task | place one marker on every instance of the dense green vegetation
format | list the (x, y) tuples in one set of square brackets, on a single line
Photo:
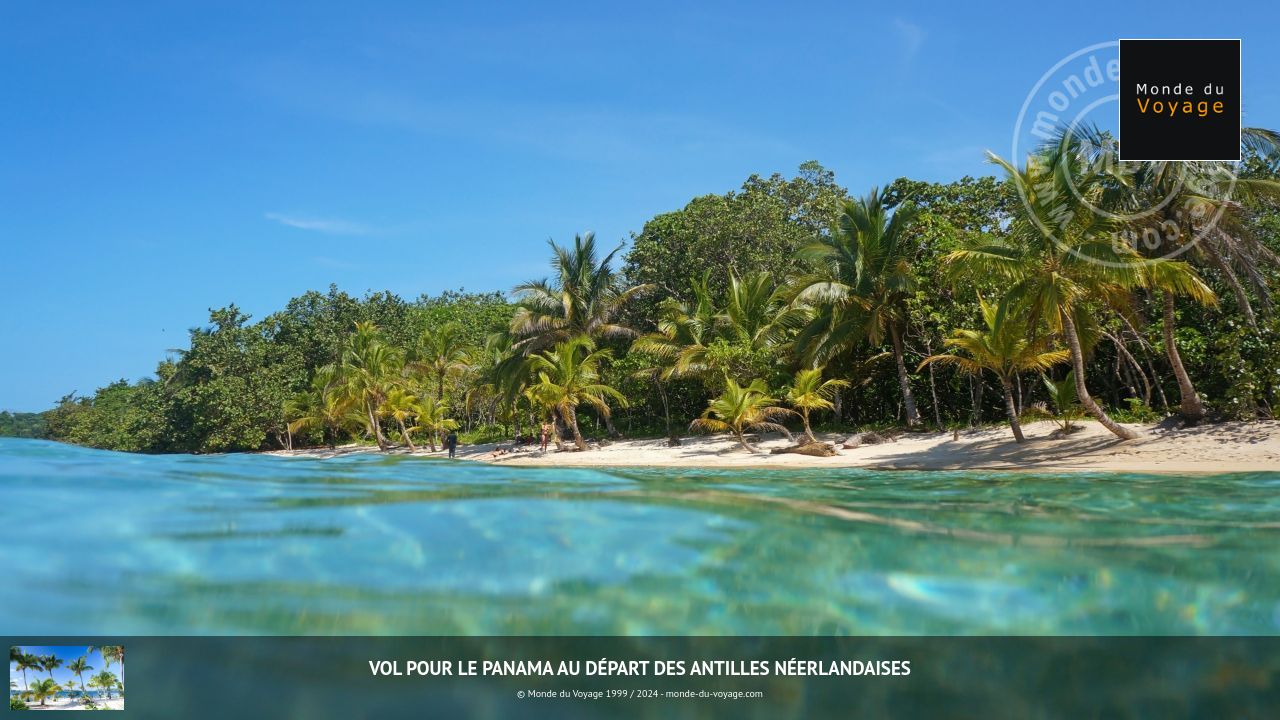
[(23, 425), (787, 302)]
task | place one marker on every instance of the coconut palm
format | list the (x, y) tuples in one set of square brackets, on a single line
[(49, 663), (369, 370), (1006, 347), (862, 281), (43, 690), (1058, 258), (585, 298), (79, 667), (441, 353), (1170, 278), (434, 420), (1174, 207), (25, 661), (810, 392), (684, 331), (401, 405), (741, 409), (105, 680), (325, 406), (568, 375), (1062, 394)]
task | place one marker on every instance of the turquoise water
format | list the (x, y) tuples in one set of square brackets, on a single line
[(100, 543)]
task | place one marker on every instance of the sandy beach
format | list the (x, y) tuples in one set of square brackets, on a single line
[(1225, 447), (75, 704)]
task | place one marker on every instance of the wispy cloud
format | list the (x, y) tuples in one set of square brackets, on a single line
[(910, 35), (331, 226)]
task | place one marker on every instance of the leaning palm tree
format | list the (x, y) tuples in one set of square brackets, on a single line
[(402, 406), (1058, 259), (810, 392), (1175, 207), (568, 376), (585, 297), (741, 409), (79, 667), (43, 690), (1006, 347), (861, 283), (1171, 278)]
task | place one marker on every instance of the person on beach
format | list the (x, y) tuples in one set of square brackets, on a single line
[(546, 435), (451, 442)]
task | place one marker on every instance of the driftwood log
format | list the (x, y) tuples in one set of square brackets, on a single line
[(816, 449), (867, 438)]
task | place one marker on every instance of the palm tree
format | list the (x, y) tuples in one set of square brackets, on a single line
[(740, 409), (568, 376), (1007, 347), (25, 661), (1058, 257), (756, 314), (433, 419), (115, 653), (402, 406), (862, 281), (1171, 278), (441, 353), (1171, 206), (810, 392), (105, 680), (79, 667), (43, 689), (1062, 393), (369, 369), (326, 405), (585, 298), (49, 663)]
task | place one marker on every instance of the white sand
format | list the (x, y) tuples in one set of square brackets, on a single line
[(1226, 447), (75, 704)]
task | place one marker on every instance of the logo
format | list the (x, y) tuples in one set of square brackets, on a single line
[(1160, 207)]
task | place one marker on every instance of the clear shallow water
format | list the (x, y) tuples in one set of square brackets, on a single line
[(101, 543)]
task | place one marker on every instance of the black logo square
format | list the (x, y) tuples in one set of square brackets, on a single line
[(1180, 100)]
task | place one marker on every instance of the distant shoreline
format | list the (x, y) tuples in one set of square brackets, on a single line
[(1210, 448)]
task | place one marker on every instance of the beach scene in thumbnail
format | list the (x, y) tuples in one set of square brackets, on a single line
[(66, 677)]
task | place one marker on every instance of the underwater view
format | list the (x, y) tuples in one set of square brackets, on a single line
[(98, 542)]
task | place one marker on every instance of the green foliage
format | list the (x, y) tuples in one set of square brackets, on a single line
[(755, 229), (761, 285), (22, 425), (16, 703)]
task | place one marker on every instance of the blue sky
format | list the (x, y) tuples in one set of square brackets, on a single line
[(160, 159), (61, 675)]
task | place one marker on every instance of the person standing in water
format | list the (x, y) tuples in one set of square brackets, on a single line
[(451, 442)]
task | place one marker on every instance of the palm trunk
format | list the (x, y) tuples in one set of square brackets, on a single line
[(1082, 392), (1011, 409), (1242, 298), (742, 440), (666, 408), (1191, 408), (908, 400), (808, 434), (405, 434), (378, 437), (571, 416)]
